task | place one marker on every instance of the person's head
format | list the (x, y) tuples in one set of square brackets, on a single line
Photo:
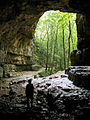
[(29, 81)]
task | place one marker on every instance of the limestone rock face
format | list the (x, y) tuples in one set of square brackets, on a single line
[(1, 72), (80, 5), (2, 56), (16, 33), (81, 57), (80, 75), (16, 39)]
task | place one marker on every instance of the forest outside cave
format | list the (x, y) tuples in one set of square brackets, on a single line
[(54, 39)]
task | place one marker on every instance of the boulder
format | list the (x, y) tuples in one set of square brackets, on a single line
[(7, 68), (36, 67), (80, 75)]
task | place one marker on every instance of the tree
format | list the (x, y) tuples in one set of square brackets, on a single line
[(47, 48), (64, 51), (69, 44), (55, 42)]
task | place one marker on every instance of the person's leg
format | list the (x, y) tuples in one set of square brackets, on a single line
[(28, 102), (31, 102)]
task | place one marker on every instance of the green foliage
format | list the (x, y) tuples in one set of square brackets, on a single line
[(44, 74), (48, 38)]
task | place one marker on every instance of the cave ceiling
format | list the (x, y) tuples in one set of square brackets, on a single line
[(44, 5)]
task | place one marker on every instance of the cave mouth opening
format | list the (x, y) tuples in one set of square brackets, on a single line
[(54, 39)]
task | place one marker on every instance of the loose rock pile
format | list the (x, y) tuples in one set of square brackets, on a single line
[(55, 98)]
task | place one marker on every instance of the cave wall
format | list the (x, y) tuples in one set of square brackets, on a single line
[(80, 57), (17, 24), (18, 20)]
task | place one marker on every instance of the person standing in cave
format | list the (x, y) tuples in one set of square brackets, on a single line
[(29, 92)]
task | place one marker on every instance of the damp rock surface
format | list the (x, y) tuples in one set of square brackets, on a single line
[(55, 98), (80, 75)]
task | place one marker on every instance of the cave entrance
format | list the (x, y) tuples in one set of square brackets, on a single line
[(55, 38)]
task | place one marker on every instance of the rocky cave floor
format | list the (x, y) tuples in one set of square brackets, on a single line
[(55, 98)]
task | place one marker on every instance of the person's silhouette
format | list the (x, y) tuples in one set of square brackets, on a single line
[(29, 92)]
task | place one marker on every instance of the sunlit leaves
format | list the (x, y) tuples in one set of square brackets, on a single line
[(47, 30)]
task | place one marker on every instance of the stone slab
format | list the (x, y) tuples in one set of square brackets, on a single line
[(80, 75)]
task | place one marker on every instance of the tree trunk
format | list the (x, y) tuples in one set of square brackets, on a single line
[(64, 51), (55, 46), (51, 49), (47, 57), (47, 50), (69, 44)]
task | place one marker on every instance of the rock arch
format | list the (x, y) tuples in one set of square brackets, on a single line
[(18, 20)]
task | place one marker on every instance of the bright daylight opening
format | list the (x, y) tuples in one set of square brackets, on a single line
[(55, 38)]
